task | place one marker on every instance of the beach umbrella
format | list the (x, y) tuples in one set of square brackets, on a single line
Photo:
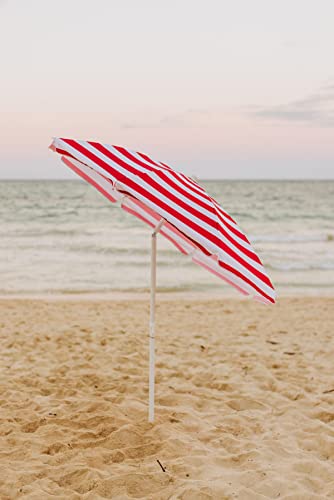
[(175, 206)]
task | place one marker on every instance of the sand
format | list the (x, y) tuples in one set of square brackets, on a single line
[(244, 400)]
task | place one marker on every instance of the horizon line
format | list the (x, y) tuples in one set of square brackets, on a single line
[(211, 179)]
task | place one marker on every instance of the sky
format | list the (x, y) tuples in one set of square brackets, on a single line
[(216, 88)]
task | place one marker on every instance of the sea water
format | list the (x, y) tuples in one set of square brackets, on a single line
[(64, 237)]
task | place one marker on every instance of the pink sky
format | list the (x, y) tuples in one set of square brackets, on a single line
[(218, 89)]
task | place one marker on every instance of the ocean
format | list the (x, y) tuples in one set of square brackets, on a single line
[(64, 237)]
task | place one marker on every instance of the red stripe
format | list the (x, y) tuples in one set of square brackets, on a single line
[(231, 228), (66, 153), (188, 179), (149, 160), (221, 210), (122, 178)]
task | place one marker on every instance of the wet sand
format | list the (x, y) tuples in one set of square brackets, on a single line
[(244, 399)]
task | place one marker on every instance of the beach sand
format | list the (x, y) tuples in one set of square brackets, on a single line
[(244, 399)]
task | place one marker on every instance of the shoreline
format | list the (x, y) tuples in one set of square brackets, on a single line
[(144, 295)]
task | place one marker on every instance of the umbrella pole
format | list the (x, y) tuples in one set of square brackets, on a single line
[(152, 321)]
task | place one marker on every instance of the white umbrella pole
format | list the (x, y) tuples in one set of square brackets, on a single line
[(152, 320)]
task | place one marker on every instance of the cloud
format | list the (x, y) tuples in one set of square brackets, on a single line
[(183, 119), (291, 44), (301, 43), (134, 124), (314, 109)]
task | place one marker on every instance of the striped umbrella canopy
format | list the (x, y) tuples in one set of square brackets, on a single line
[(192, 220), (178, 208)]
